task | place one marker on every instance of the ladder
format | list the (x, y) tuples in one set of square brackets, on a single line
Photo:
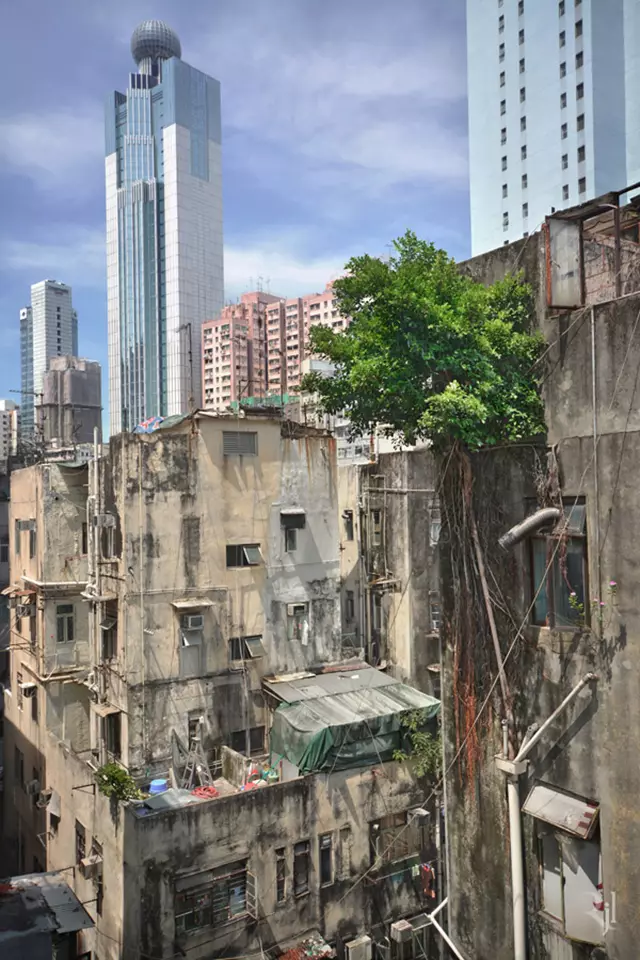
[(196, 767)]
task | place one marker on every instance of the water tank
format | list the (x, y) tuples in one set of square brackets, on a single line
[(158, 786)]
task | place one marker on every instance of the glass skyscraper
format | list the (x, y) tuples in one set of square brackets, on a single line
[(164, 229), (554, 94), (48, 328)]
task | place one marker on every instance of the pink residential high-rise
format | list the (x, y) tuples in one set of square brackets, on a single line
[(234, 351), (255, 348)]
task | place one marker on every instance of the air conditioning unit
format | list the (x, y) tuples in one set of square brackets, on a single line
[(105, 520), (44, 799), (401, 931), (33, 787), (193, 621), (26, 610), (91, 867), (13, 603), (358, 949)]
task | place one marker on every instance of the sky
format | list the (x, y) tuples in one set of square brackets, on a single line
[(344, 124)]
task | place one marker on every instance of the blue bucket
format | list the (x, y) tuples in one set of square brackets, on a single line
[(157, 786)]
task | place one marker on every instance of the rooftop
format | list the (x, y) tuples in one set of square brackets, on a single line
[(33, 906)]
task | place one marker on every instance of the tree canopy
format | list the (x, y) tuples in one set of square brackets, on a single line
[(431, 353)]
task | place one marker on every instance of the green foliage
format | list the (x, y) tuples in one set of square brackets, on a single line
[(426, 750), (431, 353), (114, 781)]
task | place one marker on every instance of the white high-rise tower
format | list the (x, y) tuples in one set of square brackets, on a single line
[(164, 229)]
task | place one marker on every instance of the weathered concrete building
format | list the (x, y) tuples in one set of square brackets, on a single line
[(167, 608), (71, 404), (41, 919), (389, 533), (564, 597)]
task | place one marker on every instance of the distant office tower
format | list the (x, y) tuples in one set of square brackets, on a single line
[(48, 328), (164, 229), (554, 95), (256, 348), (71, 403), (234, 351), (9, 424)]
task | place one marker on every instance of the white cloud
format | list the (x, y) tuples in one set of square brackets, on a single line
[(278, 269), (60, 150), (76, 256)]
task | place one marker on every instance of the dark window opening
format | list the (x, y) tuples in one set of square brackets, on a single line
[(347, 517), (301, 868), (325, 850), (290, 539), (281, 875), (111, 734), (559, 573), (81, 842), (243, 555)]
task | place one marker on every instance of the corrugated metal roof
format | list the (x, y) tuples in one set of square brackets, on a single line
[(328, 684)]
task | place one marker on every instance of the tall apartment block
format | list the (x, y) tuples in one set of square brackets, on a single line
[(554, 93), (71, 401), (9, 426), (256, 348), (164, 229), (48, 328), (234, 351)]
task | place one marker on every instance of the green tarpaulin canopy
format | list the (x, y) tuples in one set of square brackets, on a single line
[(321, 728)]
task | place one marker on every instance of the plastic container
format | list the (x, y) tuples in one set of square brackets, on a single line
[(158, 786)]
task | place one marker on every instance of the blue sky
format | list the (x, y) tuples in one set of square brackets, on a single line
[(344, 123)]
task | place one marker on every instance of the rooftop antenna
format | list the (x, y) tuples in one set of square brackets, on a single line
[(259, 286), (268, 283)]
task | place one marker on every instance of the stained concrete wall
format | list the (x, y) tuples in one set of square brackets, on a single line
[(590, 751), (251, 827)]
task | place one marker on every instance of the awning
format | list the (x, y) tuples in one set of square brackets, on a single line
[(105, 709), (294, 518), (27, 686), (14, 591), (254, 647), (108, 623), (561, 810), (191, 603), (338, 721)]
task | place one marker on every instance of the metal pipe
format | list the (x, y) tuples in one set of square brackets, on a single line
[(526, 748), (517, 871), (596, 496), (505, 739), (54, 584), (528, 525), (445, 936)]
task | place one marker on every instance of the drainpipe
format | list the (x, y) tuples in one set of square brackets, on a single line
[(447, 939), (513, 769)]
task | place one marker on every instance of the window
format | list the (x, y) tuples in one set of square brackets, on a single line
[(505, 190), (18, 767), (248, 742), (111, 734), (19, 690), (504, 163), (96, 851), (18, 531), (523, 123), (376, 613), (520, 7), (376, 528), (501, 52), (239, 443), (523, 152), (246, 648), (581, 154), (243, 555), (503, 107), (298, 622), (350, 611), (347, 519), (582, 185), (580, 91), (502, 79), (523, 94), (525, 181), (565, 191), (561, 8), (301, 868), (389, 838), (505, 220), (64, 623), (435, 616), (560, 601), (563, 132), (579, 59), (34, 705), (520, 36), (4, 548), (562, 38), (343, 865), (522, 65), (325, 856), (580, 122), (109, 630), (290, 539), (563, 101), (503, 136), (81, 842), (194, 720), (223, 897), (501, 23), (525, 210), (565, 161), (85, 540), (578, 28), (281, 875), (563, 69), (32, 539)]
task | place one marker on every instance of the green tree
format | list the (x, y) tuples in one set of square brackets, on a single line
[(114, 782), (425, 750), (430, 353)]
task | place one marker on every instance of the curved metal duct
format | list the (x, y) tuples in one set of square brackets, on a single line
[(529, 525)]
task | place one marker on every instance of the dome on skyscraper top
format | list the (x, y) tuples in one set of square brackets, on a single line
[(154, 40)]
